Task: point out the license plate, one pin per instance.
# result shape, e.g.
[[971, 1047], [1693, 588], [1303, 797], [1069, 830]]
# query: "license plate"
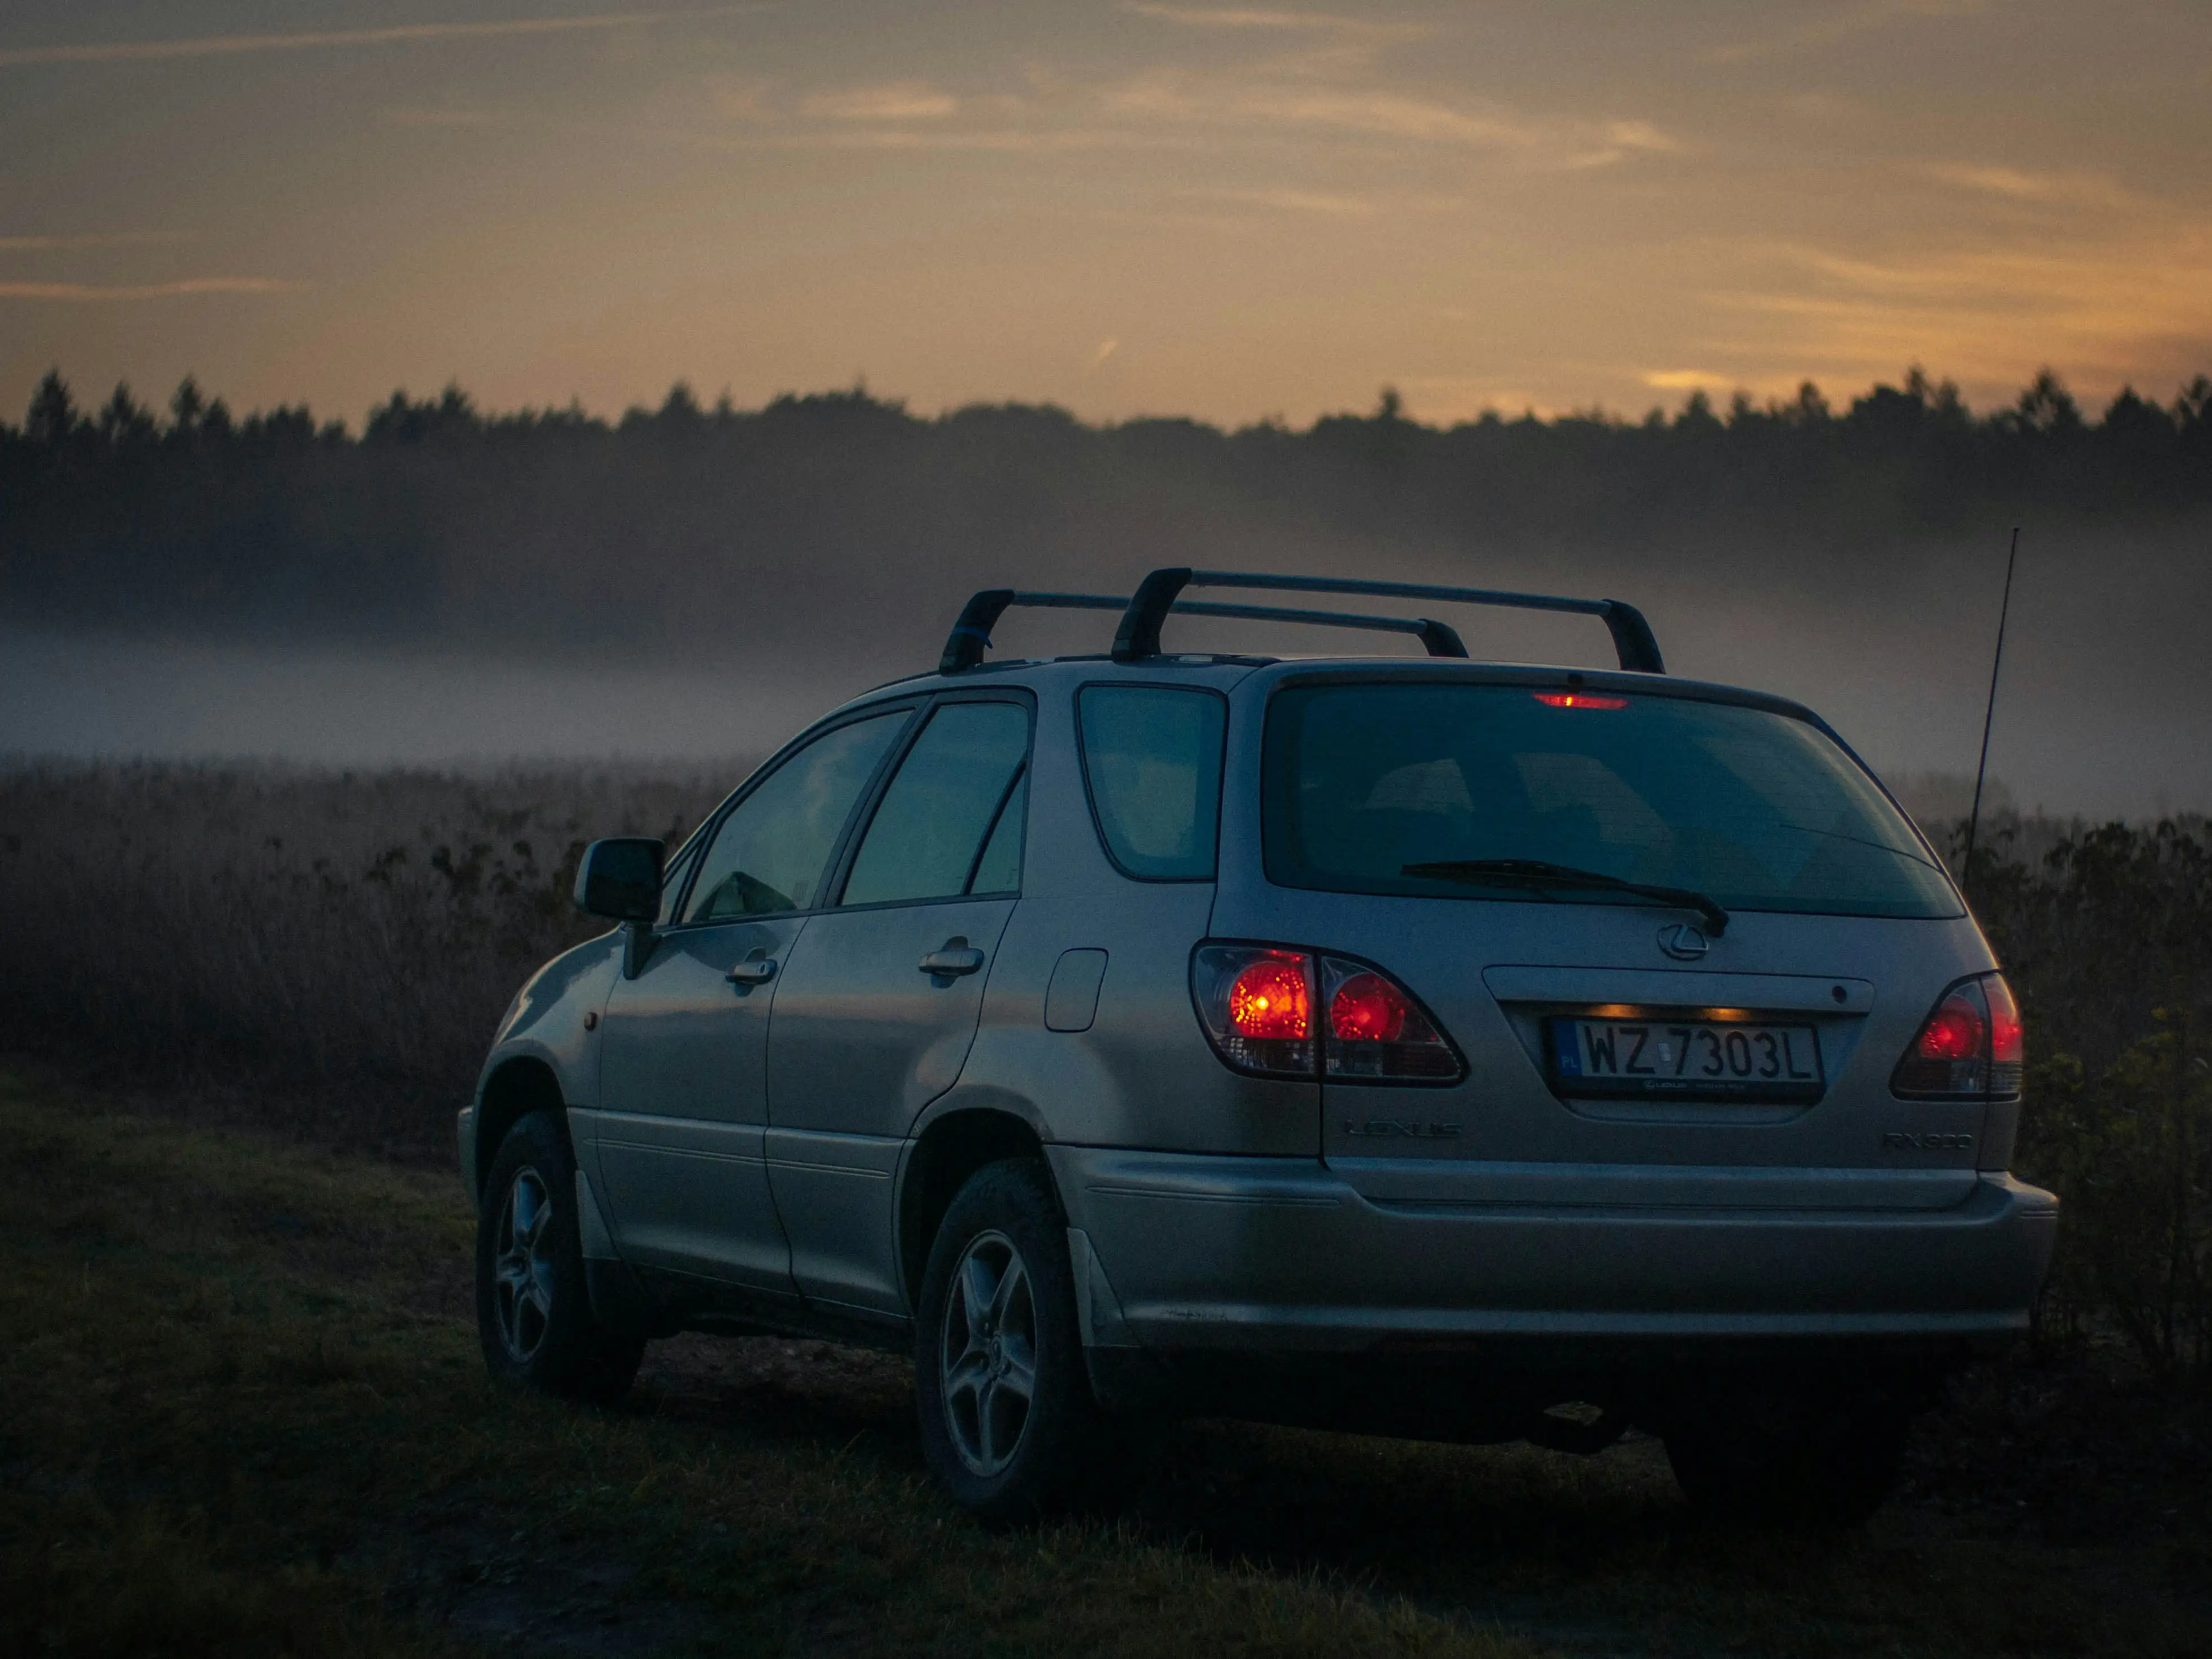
[[1691, 1059]]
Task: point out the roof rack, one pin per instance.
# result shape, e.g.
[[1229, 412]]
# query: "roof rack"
[[1139, 636], [971, 634]]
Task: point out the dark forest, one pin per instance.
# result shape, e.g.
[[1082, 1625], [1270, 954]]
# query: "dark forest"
[[685, 527]]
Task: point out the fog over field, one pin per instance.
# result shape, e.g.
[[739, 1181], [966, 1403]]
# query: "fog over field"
[[2105, 699]]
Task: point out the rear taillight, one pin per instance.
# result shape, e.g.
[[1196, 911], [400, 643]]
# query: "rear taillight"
[[1377, 1031], [1969, 1048], [1277, 1013], [1256, 1004]]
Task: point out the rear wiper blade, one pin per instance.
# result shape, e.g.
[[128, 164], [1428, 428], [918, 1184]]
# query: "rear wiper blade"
[[1534, 872]]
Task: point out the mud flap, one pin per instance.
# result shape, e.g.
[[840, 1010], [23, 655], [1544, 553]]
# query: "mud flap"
[[621, 1305], [1123, 1376]]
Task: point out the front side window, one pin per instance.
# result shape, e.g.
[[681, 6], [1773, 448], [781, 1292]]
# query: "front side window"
[[955, 803], [1151, 756], [1428, 789], [771, 852]]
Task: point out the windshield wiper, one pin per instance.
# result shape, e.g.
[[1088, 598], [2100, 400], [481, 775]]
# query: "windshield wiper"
[[1534, 872]]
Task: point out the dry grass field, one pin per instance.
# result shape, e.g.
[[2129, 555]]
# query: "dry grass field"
[[246, 1415]]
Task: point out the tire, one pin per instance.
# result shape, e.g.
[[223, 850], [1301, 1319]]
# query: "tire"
[[1009, 1426], [1829, 1474], [533, 1312]]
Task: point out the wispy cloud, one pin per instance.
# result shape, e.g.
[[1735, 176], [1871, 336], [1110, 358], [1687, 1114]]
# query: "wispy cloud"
[[893, 100], [1287, 200], [1262, 18], [418, 117], [2072, 188], [1106, 349], [1838, 23], [2107, 306], [191, 285], [94, 238], [223, 45], [1686, 380], [1179, 95]]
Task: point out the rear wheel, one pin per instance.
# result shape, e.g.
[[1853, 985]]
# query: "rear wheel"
[[1834, 1469], [1008, 1423], [533, 1313]]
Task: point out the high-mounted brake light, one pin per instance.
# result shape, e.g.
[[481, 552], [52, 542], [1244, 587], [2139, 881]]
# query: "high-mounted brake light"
[[1259, 1005], [1968, 1048], [1578, 699]]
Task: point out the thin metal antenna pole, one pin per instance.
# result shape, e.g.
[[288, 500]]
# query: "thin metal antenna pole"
[[1990, 714]]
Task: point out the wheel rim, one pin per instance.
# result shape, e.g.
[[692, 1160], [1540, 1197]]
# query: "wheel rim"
[[522, 1275], [986, 1353]]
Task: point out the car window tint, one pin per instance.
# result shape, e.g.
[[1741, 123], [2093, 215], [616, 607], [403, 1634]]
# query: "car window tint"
[[1379, 788], [1000, 869], [770, 853], [1153, 757], [930, 829]]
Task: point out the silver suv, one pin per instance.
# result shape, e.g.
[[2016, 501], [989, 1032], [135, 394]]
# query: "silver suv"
[[1459, 1050]]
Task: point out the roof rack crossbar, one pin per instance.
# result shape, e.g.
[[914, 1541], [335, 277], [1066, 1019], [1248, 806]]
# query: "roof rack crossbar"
[[971, 634], [1438, 639], [1139, 636]]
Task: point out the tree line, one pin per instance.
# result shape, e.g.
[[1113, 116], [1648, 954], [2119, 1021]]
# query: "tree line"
[[698, 526]]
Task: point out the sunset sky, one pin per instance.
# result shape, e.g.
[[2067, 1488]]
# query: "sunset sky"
[[1227, 211]]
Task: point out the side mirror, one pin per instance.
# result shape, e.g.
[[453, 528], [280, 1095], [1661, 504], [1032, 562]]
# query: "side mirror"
[[620, 878]]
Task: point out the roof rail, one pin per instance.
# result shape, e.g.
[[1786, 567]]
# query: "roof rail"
[[971, 634], [1139, 636]]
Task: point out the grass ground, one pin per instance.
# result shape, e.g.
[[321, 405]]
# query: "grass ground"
[[244, 1413]]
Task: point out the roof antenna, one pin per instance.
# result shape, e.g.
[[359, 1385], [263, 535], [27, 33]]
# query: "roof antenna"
[[1989, 714]]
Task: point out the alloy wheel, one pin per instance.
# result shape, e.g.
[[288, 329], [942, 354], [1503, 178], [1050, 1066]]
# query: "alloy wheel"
[[986, 1353], [523, 1269]]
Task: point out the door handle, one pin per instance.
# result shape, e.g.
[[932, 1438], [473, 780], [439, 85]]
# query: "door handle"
[[756, 970], [952, 960]]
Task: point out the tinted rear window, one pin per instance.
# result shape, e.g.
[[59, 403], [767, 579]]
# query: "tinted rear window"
[[1760, 811], [1152, 756]]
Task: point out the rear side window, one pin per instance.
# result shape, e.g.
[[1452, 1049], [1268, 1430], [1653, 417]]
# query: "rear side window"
[[1371, 788], [1152, 758], [949, 823], [773, 849]]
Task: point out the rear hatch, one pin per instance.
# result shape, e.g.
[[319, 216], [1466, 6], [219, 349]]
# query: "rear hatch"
[[1723, 1037]]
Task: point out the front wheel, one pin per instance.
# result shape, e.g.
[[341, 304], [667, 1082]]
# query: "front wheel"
[[1008, 1423], [533, 1313]]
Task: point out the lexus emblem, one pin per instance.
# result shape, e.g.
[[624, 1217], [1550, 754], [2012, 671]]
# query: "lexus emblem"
[[1684, 941]]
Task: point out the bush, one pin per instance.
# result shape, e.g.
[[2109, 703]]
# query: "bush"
[[350, 938], [2109, 943]]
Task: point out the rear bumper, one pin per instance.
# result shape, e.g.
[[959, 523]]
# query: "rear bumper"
[[1250, 1254]]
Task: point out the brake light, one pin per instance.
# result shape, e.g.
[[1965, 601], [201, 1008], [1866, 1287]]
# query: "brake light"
[[1261, 1005], [1256, 1003], [1268, 1000], [1378, 1032], [2008, 1038], [1367, 1008], [1578, 699], [1969, 1047]]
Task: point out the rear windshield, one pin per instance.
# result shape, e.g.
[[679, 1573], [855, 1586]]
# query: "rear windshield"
[[1758, 810]]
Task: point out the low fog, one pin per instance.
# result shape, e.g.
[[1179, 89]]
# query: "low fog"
[[2106, 694]]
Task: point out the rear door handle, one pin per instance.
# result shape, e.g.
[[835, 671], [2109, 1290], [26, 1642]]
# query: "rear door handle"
[[753, 970], [952, 961]]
